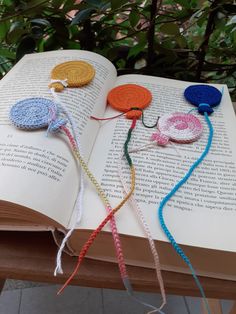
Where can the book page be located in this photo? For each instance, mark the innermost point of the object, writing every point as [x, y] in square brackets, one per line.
[39, 171]
[203, 211]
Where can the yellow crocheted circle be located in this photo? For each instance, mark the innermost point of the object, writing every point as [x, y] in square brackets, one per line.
[76, 74]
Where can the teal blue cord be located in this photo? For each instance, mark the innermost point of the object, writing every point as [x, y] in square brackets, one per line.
[192, 110]
[168, 197]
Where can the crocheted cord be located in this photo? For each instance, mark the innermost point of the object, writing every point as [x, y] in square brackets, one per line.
[164, 201]
[77, 151]
[95, 233]
[35, 113]
[147, 231]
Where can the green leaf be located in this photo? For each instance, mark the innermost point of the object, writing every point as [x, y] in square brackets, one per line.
[56, 3]
[182, 42]
[7, 53]
[42, 22]
[134, 18]
[72, 45]
[15, 32]
[170, 29]
[184, 3]
[121, 64]
[134, 51]
[105, 6]
[95, 3]
[4, 27]
[7, 3]
[115, 4]
[82, 16]
[36, 3]
[202, 19]
[232, 20]
[142, 38]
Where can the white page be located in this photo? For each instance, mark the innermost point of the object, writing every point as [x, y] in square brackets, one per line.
[203, 212]
[37, 171]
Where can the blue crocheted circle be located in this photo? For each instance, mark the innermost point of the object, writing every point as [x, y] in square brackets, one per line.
[203, 94]
[31, 113]
[205, 108]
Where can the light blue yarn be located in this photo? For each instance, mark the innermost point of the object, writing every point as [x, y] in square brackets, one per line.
[36, 113]
[168, 197]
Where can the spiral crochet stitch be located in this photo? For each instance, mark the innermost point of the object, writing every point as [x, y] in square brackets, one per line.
[75, 73]
[178, 127]
[32, 113]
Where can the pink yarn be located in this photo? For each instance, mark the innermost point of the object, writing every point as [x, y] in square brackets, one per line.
[117, 242]
[160, 138]
[178, 127]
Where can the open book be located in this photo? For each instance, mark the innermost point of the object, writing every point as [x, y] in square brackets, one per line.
[40, 177]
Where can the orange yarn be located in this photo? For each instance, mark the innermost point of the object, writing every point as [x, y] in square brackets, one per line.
[127, 96]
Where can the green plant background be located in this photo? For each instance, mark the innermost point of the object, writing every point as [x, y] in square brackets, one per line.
[185, 39]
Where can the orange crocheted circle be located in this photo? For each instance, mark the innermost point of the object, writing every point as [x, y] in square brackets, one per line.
[128, 96]
[76, 74]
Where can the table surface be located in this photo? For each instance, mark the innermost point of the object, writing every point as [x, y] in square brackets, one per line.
[31, 256]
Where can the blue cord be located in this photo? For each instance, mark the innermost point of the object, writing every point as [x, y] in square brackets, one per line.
[192, 110]
[168, 197]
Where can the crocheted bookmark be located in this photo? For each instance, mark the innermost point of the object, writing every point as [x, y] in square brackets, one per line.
[117, 242]
[147, 232]
[77, 74]
[36, 113]
[178, 127]
[71, 74]
[113, 211]
[204, 97]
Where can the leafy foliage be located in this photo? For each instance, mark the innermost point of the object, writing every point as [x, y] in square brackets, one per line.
[185, 39]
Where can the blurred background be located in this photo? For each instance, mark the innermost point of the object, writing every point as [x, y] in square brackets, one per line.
[191, 40]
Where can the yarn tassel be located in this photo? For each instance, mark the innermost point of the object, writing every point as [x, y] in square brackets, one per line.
[117, 242]
[79, 201]
[95, 233]
[79, 213]
[149, 237]
[109, 118]
[168, 197]
[77, 149]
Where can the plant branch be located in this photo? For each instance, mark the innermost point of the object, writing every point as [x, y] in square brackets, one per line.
[209, 30]
[151, 32]
[21, 13]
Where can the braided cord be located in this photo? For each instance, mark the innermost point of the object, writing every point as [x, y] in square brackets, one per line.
[110, 216]
[148, 235]
[77, 149]
[168, 197]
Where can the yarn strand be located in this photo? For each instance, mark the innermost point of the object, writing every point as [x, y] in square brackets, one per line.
[95, 233]
[146, 229]
[76, 148]
[149, 126]
[168, 197]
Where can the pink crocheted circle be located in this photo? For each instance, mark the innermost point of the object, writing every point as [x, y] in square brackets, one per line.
[180, 127]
